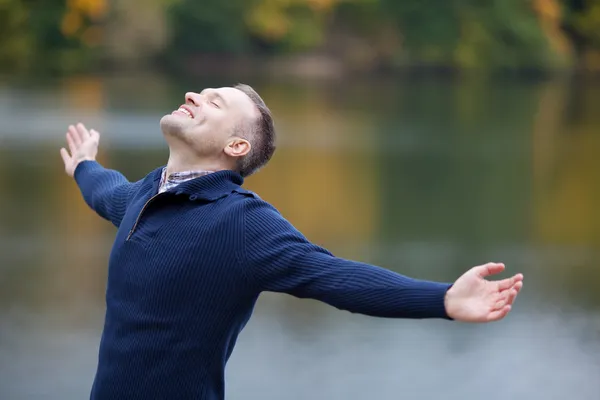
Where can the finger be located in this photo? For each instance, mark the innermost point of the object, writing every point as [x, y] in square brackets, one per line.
[489, 269]
[75, 136]
[65, 156]
[94, 134]
[502, 300]
[498, 314]
[509, 282]
[83, 132]
[507, 298]
[512, 285]
[505, 284]
[512, 297]
[71, 142]
[518, 286]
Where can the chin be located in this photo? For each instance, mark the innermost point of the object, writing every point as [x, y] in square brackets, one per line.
[171, 125]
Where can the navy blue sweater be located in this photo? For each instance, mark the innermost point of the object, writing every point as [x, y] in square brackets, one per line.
[187, 267]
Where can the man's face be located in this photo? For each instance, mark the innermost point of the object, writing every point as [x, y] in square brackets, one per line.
[208, 119]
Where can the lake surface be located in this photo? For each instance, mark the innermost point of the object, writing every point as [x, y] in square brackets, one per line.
[426, 177]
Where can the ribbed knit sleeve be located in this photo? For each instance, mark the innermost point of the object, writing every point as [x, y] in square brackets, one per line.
[278, 258]
[106, 191]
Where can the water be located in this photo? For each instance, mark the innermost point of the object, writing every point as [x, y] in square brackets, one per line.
[424, 177]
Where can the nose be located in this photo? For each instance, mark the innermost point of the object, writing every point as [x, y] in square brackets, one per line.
[193, 98]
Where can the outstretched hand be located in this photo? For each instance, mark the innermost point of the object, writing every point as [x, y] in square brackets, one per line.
[83, 145]
[472, 298]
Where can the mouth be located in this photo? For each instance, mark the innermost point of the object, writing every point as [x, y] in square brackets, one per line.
[184, 110]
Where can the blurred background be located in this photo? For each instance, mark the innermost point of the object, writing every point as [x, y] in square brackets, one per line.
[423, 136]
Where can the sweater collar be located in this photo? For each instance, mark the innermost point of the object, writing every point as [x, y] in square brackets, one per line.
[207, 187]
[177, 178]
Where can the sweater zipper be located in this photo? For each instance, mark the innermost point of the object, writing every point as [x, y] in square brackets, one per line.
[140, 215]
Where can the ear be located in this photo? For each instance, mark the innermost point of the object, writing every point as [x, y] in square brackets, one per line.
[237, 147]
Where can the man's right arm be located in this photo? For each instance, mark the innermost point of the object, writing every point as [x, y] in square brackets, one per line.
[106, 191]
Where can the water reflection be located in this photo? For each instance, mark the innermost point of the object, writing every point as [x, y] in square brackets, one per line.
[427, 178]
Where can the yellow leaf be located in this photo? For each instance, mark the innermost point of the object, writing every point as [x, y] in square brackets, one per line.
[71, 23]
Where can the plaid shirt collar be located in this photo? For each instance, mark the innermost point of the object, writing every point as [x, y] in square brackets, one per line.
[167, 183]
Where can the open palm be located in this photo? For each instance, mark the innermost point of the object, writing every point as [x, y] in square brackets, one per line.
[83, 145]
[472, 298]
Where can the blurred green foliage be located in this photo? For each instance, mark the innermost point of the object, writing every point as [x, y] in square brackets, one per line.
[80, 35]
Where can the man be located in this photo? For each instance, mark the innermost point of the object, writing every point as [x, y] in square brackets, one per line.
[194, 250]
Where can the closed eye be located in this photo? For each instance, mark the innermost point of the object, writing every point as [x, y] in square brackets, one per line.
[215, 104]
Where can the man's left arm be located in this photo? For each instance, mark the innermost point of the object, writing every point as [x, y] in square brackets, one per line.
[279, 258]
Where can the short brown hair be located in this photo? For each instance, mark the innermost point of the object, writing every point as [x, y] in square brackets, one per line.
[261, 135]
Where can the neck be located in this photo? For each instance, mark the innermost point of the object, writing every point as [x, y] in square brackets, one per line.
[181, 163]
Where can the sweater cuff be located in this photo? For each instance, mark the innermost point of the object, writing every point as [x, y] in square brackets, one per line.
[429, 299]
[83, 167]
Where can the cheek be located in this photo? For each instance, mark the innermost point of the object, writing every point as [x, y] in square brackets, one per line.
[195, 127]
[209, 131]
[203, 139]
[217, 119]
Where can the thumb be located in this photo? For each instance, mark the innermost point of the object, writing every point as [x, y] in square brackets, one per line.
[488, 269]
[65, 156]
